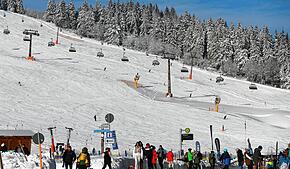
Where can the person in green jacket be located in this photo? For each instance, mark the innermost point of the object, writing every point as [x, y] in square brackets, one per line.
[190, 158]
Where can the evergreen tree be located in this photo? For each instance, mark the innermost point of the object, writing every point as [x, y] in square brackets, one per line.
[72, 15]
[86, 21]
[19, 7]
[49, 15]
[4, 5]
[11, 5]
[61, 16]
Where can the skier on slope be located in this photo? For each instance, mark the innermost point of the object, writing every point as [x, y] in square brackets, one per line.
[225, 159]
[138, 155]
[68, 157]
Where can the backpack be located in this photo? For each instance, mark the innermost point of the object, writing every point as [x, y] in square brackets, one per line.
[83, 160]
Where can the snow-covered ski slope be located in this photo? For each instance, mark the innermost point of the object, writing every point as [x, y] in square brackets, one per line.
[65, 89]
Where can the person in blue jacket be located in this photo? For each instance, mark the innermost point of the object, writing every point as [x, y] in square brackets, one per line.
[225, 159]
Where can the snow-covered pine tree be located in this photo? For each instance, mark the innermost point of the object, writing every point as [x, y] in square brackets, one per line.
[19, 7]
[72, 15]
[50, 12]
[11, 5]
[61, 15]
[4, 5]
[146, 18]
[86, 21]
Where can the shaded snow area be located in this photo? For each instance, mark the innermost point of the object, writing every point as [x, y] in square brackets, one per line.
[64, 89]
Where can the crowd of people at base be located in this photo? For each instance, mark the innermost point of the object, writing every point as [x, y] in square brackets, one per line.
[150, 155]
[252, 159]
[248, 159]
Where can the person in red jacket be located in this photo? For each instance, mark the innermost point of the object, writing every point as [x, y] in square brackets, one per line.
[154, 157]
[170, 157]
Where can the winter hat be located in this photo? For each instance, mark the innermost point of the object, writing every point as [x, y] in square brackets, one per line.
[225, 149]
[85, 150]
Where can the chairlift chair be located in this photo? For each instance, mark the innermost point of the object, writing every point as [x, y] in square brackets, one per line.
[219, 79]
[253, 87]
[6, 31]
[100, 54]
[125, 59]
[155, 62]
[26, 38]
[184, 69]
[51, 43]
[72, 49]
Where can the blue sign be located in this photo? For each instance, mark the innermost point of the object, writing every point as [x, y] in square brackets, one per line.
[111, 134]
[101, 131]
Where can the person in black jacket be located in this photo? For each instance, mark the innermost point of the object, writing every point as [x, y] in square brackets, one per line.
[107, 159]
[240, 157]
[212, 160]
[148, 155]
[69, 158]
[257, 157]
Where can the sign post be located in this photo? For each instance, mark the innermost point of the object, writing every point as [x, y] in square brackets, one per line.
[186, 136]
[38, 138]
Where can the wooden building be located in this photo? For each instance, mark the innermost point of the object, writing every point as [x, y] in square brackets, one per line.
[13, 138]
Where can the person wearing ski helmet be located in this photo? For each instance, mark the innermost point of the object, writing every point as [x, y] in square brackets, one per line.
[84, 160]
[107, 158]
[257, 157]
[68, 157]
[226, 159]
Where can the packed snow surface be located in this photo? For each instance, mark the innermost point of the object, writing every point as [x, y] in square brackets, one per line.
[66, 89]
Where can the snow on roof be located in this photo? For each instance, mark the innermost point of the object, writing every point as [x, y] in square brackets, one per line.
[16, 133]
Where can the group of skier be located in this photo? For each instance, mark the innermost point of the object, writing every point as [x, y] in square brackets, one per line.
[150, 156]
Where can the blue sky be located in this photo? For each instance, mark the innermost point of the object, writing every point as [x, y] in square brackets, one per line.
[274, 13]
